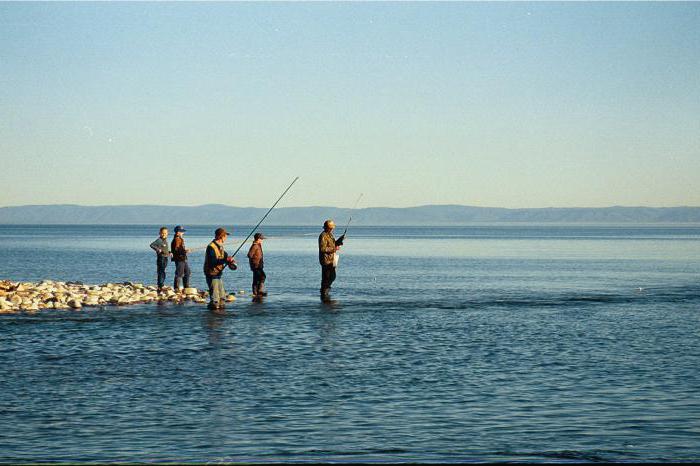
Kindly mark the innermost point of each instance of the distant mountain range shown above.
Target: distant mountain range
(214, 214)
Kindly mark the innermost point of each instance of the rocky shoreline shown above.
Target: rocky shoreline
(47, 294)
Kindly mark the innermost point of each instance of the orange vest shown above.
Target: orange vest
(214, 268)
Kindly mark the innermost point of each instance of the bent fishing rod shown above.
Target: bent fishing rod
(265, 216)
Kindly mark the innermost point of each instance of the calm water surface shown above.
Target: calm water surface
(508, 343)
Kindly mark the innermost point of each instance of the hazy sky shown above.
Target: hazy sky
(487, 104)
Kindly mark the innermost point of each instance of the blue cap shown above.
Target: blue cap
(179, 228)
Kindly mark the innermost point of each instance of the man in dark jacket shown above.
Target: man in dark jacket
(215, 261)
(160, 246)
(327, 248)
(182, 268)
(255, 259)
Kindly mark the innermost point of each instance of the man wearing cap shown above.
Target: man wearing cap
(327, 247)
(160, 246)
(255, 259)
(182, 268)
(215, 261)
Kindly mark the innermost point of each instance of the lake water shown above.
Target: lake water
(481, 343)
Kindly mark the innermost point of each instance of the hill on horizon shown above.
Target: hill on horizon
(209, 214)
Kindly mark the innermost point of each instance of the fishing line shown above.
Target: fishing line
(353, 208)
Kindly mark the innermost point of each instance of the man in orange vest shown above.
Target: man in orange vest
(215, 261)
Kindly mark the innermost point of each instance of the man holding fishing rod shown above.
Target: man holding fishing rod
(215, 261)
(328, 246)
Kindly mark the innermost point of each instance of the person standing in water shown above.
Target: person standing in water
(255, 259)
(215, 261)
(160, 246)
(179, 252)
(327, 248)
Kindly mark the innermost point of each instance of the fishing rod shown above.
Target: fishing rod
(264, 216)
(342, 237)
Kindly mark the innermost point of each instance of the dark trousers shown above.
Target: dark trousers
(161, 264)
(258, 280)
(327, 277)
(182, 271)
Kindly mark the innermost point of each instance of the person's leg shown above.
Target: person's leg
(261, 283)
(186, 277)
(325, 280)
(331, 276)
(219, 292)
(210, 285)
(256, 282)
(162, 263)
(179, 269)
(324, 274)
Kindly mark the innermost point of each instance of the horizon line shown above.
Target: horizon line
(348, 208)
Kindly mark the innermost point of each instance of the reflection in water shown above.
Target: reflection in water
(256, 307)
(212, 323)
(331, 305)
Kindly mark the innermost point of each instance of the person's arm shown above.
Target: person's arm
(157, 246)
(230, 261)
(226, 260)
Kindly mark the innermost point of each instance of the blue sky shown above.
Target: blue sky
(488, 104)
